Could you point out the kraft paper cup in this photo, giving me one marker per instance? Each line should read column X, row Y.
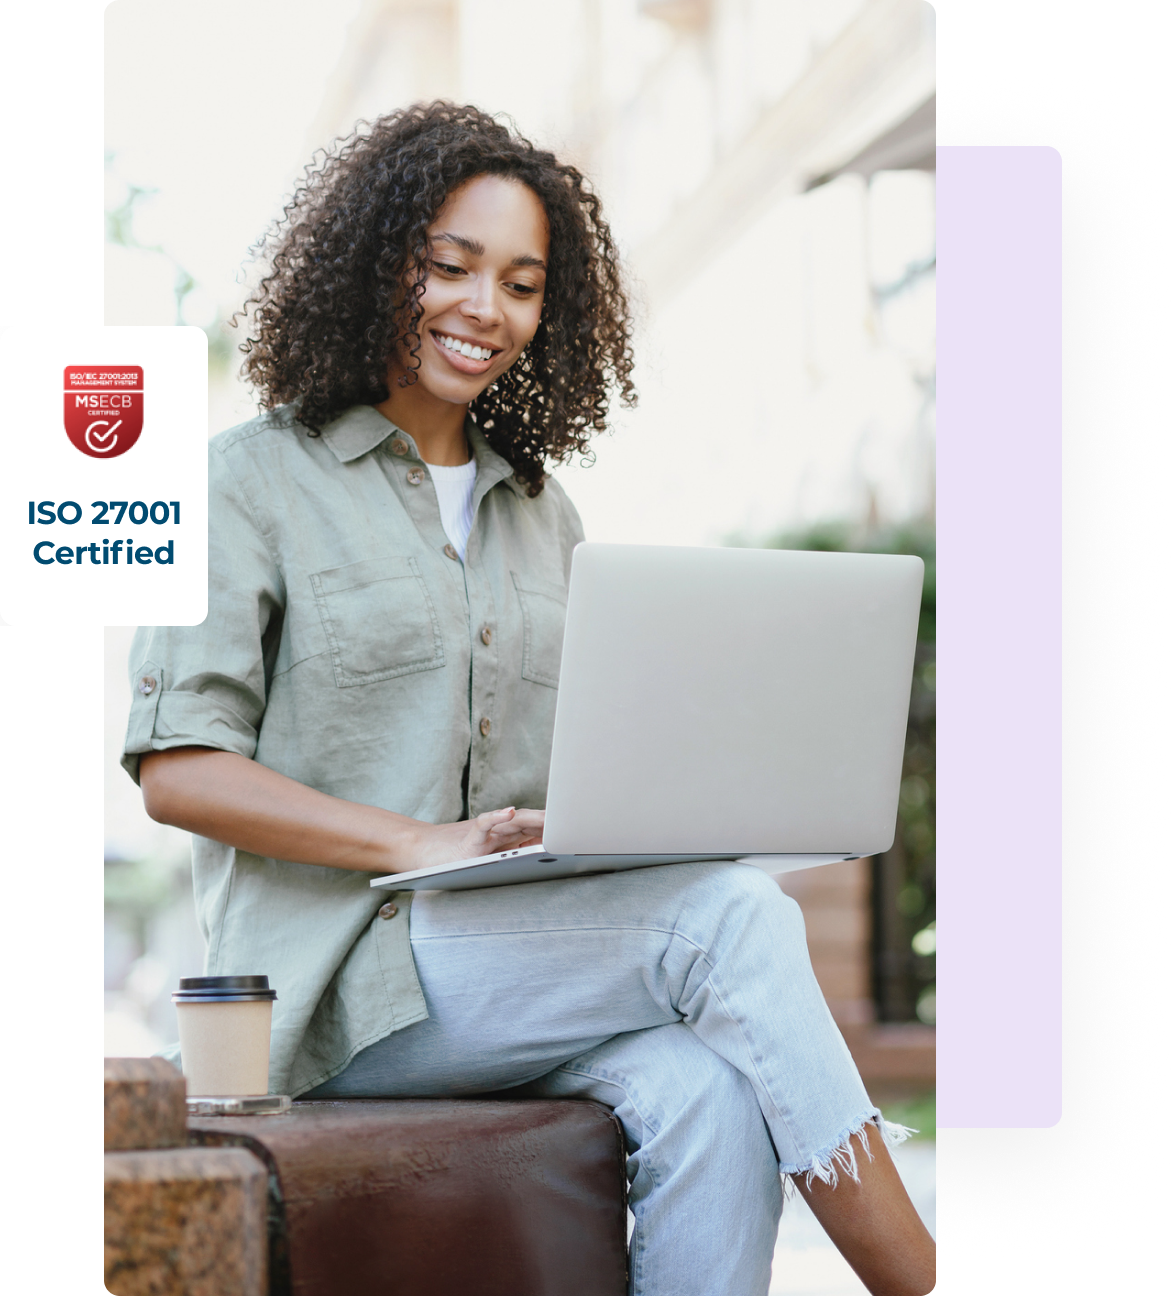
column 224, row 1028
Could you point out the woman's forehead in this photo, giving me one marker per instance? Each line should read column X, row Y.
column 494, row 215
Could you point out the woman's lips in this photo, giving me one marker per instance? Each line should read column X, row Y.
column 462, row 363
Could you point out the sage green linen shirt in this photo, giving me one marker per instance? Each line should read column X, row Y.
column 348, row 647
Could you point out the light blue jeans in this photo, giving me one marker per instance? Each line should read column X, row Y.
column 681, row 996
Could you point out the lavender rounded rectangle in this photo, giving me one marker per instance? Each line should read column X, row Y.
column 999, row 300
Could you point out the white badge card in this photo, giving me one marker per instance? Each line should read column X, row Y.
column 104, row 502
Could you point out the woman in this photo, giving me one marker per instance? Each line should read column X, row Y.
column 373, row 690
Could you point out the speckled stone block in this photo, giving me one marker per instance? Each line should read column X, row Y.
column 186, row 1222
column 145, row 1104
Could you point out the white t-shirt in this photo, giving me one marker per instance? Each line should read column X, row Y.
column 454, row 488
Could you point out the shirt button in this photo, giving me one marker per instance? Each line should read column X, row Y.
column 486, row 635
column 388, row 911
column 415, row 476
column 398, row 447
column 450, row 550
column 485, row 726
column 147, row 685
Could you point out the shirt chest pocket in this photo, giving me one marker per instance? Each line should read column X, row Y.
column 379, row 620
column 543, row 609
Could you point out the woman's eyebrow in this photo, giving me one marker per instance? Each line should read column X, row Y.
column 475, row 248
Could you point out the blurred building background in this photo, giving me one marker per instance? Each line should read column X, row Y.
column 768, row 169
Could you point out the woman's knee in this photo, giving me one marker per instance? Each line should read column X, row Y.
column 745, row 899
column 757, row 886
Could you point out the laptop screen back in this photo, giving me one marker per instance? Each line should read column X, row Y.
column 732, row 700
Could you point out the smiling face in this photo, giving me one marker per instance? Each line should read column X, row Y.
column 483, row 294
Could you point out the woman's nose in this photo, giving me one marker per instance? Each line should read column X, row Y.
column 482, row 303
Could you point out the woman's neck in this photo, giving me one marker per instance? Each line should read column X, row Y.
column 436, row 426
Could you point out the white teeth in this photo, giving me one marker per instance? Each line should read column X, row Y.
column 465, row 348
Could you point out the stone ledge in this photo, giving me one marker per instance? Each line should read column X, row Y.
column 146, row 1104
column 186, row 1222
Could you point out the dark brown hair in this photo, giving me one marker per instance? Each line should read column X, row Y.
column 333, row 304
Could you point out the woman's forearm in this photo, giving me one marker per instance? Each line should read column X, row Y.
column 235, row 800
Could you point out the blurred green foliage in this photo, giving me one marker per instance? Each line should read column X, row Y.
column 918, row 1113
column 136, row 890
column 904, row 879
column 138, row 884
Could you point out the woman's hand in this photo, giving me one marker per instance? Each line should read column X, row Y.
column 495, row 830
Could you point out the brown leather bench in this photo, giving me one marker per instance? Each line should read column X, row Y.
column 437, row 1197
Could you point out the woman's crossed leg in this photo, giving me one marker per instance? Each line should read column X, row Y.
column 686, row 989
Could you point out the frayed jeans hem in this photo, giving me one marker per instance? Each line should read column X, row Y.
column 840, row 1154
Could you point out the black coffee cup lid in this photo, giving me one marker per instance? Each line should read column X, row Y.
column 222, row 989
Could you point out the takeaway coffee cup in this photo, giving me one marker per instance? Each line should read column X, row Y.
column 224, row 1027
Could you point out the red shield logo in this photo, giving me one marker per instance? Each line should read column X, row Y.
column 103, row 408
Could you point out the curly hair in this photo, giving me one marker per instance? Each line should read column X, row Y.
column 347, row 265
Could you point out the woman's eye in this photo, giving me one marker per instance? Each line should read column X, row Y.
column 526, row 290
column 447, row 269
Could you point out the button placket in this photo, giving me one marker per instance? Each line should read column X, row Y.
column 485, row 671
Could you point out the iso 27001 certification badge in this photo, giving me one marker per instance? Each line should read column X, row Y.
column 108, row 523
column 103, row 408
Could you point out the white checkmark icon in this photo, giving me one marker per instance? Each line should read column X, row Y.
column 92, row 434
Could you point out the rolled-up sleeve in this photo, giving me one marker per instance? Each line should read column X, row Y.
column 207, row 685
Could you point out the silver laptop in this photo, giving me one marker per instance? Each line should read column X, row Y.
column 714, row 704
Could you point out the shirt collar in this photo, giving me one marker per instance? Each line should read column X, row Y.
column 361, row 428
column 357, row 431
column 490, row 466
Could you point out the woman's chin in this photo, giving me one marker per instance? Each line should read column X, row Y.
column 453, row 388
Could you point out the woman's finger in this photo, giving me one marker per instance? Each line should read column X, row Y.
column 523, row 825
column 530, row 821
